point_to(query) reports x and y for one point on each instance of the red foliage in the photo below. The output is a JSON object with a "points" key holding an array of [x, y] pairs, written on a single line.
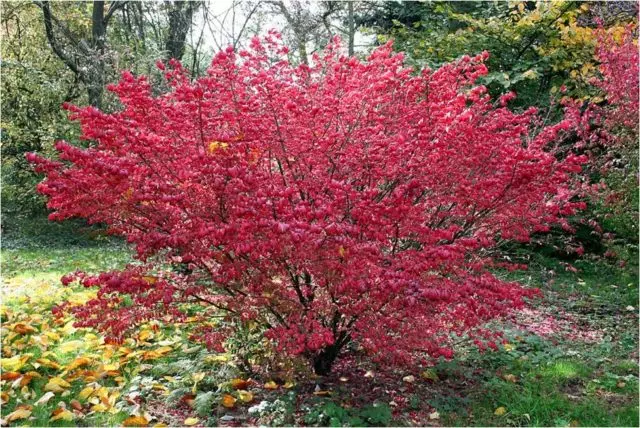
{"points": [[346, 200], [619, 69]]}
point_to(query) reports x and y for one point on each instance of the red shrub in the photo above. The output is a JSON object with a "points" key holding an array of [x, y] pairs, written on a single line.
{"points": [[343, 201]]}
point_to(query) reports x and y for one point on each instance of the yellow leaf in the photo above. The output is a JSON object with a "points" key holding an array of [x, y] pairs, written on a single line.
{"points": [[509, 347], [57, 384], [191, 421], [228, 401], [45, 362], [288, 385], [17, 414], [78, 362], [71, 346], [85, 393], [145, 335], [341, 251], [245, 396], [500, 411], [63, 414], [271, 385], [14, 364], [100, 408], [135, 421]]}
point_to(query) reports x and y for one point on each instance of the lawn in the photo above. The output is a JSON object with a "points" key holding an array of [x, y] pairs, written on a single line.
{"points": [[571, 359]]}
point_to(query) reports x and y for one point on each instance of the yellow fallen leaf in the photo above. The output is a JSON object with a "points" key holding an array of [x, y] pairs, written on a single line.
{"points": [[271, 385], [500, 411], [508, 347], [160, 425], [45, 362], [197, 377], [145, 335], [135, 421], [288, 385], [71, 346], [57, 384], [245, 396], [62, 415], [191, 421], [86, 392], [99, 408], [17, 414], [78, 362], [228, 401], [4, 397], [14, 364]]}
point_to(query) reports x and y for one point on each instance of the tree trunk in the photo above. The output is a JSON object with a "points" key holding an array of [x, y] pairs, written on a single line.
{"points": [[352, 28], [323, 362], [180, 16]]}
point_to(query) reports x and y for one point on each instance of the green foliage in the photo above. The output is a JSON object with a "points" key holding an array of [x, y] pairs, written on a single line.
{"points": [[328, 413]]}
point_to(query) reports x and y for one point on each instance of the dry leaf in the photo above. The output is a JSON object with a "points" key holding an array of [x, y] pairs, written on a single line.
{"points": [[20, 413], [135, 421], [271, 385], [45, 398], [239, 383], [228, 401], [191, 421], [61, 414], [56, 384], [78, 362], [500, 411], [245, 396]]}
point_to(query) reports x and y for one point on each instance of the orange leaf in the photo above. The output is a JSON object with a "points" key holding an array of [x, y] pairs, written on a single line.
{"points": [[135, 421], [78, 362], [228, 401], [23, 329], [10, 376], [239, 383]]}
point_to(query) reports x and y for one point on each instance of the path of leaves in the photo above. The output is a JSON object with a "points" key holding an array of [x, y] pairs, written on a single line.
{"points": [[55, 374]]}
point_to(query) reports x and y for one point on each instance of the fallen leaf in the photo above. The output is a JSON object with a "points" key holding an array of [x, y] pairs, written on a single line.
{"points": [[62, 415], [14, 364], [434, 415], [135, 421], [409, 379], [10, 376], [56, 384], [71, 346], [369, 373], [45, 398], [228, 401], [245, 396], [510, 378], [271, 385], [75, 404], [20, 413], [78, 362], [191, 421], [500, 411], [86, 392], [239, 383]]}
